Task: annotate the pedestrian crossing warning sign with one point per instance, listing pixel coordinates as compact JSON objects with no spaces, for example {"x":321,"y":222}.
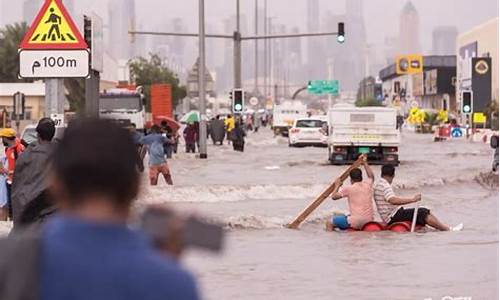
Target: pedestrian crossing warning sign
{"x":53,"y":28}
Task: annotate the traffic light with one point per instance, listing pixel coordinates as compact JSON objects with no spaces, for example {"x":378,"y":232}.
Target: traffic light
{"x":87,"y":30}
{"x":341,"y":32}
{"x":467,"y":102}
{"x":238,"y":100}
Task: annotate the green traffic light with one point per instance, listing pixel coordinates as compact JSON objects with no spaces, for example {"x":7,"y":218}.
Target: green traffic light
{"x":340,"y":38}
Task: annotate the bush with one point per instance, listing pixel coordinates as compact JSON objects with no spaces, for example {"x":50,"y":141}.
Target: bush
{"x":368,"y":102}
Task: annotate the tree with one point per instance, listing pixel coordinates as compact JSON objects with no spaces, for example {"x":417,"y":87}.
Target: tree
{"x":10,"y":39}
{"x":146,"y":72}
{"x":76,"y":94}
{"x":367,"y":102}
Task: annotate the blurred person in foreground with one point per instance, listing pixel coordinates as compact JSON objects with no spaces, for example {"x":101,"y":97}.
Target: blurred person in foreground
{"x":87,"y":251}
{"x":30,"y":201}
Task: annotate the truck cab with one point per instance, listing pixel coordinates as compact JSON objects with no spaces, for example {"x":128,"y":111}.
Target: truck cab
{"x":123,"y":106}
{"x":363,"y":130}
{"x":285,"y":114}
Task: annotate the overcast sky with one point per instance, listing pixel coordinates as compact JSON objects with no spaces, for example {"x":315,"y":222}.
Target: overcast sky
{"x":381,"y":16}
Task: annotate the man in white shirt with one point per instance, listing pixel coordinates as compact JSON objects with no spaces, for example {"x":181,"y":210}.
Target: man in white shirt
{"x":390,"y":206}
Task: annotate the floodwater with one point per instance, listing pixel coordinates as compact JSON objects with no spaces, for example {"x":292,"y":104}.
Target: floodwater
{"x":254,"y":194}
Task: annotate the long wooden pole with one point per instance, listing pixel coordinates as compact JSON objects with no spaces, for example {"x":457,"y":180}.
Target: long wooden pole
{"x":332,"y":188}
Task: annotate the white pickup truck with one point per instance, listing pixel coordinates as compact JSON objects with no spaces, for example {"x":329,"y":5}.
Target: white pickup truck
{"x":363,"y":130}
{"x":285,"y":114}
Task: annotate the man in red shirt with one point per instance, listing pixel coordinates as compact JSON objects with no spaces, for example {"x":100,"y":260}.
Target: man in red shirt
{"x":13,"y":148}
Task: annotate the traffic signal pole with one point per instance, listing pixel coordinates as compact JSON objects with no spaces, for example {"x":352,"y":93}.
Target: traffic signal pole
{"x":237,"y":49}
{"x":201,"y":82}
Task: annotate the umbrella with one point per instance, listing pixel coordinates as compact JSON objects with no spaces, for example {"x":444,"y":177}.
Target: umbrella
{"x":170,"y":122}
{"x":191,"y":117}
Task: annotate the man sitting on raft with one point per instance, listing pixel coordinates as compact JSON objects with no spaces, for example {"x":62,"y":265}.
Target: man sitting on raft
{"x":390,"y":206}
{"x":359,"y":197}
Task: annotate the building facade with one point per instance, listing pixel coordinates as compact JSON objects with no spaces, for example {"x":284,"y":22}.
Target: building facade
{"x":434,"y":88}
{"x":477,"y":61}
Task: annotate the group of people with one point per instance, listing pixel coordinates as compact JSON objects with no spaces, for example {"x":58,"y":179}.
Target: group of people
{"x":80,"y":246}
{"x":362,"y":193}
{"x":24,"y":172}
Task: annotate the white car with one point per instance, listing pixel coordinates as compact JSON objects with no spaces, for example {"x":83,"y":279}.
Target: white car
{"x":30,"y":136}
{"x":310,"y":131}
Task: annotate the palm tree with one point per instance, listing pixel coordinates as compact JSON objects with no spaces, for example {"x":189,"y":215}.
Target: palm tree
{"x":10,"y":39}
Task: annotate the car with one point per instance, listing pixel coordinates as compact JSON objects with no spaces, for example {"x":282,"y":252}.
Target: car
{"x":312,"y":131}
{"x":29,"y":135}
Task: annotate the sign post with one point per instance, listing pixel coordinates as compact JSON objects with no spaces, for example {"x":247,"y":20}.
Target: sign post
{"x":53,"y":49}
{"x":19,"y":105}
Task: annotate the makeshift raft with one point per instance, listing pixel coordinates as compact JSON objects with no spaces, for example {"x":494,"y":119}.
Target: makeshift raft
{"x":377,"y":226}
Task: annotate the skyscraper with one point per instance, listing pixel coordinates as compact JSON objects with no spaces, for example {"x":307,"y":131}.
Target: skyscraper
{"x":444,"y":40}
{"x":314,"y":63}
{"x":347,"y":60}
{"x":409,"y":30}
{"x":121,"y":20}
{"x":30,"y":9}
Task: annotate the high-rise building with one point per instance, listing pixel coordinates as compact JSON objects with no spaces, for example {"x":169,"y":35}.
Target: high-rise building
{"x":391,"y":45}
{"x":444,"y":40}
{"x":346,"y":62}
{"x":314,"y":45}
{"x":409,"y":30}
{"x":30,"y":9}
{"x":121,"y":20}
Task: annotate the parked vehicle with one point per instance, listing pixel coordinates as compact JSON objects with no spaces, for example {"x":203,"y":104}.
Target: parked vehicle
{"x":308,"y":132}
{"x":363,"y":130}
{"x":29,"y":135}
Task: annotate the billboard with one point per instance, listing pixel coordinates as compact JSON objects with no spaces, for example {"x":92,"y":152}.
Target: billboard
{"x":481,"y":83}
{"x":464,"y":70}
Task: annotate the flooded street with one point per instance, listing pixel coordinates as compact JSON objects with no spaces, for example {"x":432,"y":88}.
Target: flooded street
{"x":257,"y":192}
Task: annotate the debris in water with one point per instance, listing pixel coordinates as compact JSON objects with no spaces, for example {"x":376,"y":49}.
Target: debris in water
{"x":272,"y":168}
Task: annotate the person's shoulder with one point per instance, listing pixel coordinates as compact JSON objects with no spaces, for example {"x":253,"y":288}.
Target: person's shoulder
{"x":380,"y":184}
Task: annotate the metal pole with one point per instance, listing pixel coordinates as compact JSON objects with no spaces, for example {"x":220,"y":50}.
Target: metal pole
{"x":270,"y":56}
{"x":266,"y":90}
{"x":201,"y":81}
{"x":237,"y":49}
{"x":256,"y":67}
{"x":92,"y":94}
{"x":54,"y":97}
{"x":275,"y":93}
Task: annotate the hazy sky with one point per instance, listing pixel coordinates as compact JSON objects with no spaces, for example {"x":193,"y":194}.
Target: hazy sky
{"x":381,"y":16}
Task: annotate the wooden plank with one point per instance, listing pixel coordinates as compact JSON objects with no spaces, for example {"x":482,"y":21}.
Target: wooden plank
{"x":332,"y":188}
